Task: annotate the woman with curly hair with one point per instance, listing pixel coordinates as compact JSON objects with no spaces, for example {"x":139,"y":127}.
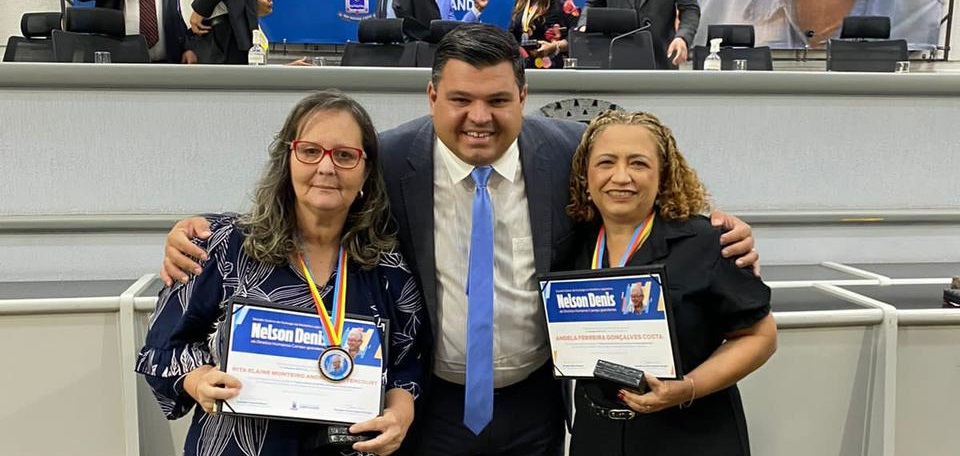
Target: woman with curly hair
{"x":627,"y":173}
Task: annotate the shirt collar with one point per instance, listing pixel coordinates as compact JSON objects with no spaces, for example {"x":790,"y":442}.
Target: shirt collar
{"x":506,"y":166}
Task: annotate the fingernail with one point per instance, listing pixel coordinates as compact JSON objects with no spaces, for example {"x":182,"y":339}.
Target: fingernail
{"x":184,"y":280}
{"x":740,"y":263}
{"x":197,"y":270}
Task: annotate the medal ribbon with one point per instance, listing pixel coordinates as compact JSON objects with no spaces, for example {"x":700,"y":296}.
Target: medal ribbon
{"x":639,"y":236}
{"x":332,"y":327}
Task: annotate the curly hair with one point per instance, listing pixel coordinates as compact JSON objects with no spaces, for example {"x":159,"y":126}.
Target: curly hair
{"x":681,"y":194}
{"x":271,"y":229}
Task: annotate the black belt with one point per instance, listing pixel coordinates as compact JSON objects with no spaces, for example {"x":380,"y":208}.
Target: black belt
{"x":603,"y":407}
{"x":616,"y":414}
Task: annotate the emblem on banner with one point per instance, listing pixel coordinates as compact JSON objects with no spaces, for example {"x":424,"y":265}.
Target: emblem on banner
{"x":356,"y":10}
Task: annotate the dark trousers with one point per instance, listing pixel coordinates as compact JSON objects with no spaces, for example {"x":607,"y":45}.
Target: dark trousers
{"x":527,"y":420}
{"x":219,"y":46}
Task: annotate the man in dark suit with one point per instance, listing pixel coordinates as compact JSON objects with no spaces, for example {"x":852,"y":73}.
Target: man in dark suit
{"x":224,"y":28}
{"x":670,"y":43}
{"x":476,"y":97}
{"x":166,"y":37}
{"x":477,"y":145}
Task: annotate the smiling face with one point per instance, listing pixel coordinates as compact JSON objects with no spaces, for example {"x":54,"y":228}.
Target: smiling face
{"x":354,"y":339}
{"x":477,"y":112}
{"x":636,"y":298}
{"x":623,"y":173}
{"x":322,"y":187}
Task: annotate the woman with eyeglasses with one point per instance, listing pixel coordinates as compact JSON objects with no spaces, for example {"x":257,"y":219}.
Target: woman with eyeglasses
{"x":319,"y":213}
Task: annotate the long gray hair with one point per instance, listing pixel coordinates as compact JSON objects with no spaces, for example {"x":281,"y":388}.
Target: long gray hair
{"x":271,"y":226}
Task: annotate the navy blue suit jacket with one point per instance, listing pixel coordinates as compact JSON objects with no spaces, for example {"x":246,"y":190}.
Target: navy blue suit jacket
{"x":546,"y":147}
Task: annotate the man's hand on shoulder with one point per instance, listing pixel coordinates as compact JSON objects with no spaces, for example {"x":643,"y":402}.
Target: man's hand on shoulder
{"x":737,"y":241}
{"x":181,"y":256}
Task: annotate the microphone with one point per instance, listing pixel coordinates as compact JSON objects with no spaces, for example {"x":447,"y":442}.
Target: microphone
{"x":646,"y":25}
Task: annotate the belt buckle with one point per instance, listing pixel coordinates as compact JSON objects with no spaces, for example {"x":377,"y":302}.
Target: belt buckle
{"x":621,"y":414}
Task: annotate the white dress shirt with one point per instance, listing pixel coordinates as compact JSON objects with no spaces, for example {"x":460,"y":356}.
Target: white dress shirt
{"x":519,"y":338}
{"x":131,"y":19}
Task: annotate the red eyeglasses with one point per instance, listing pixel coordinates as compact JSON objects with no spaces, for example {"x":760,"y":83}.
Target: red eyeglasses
{"x":310,"y":153}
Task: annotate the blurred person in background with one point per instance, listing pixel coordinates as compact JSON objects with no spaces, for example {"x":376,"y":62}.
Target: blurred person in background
{"x":161,"y":24}
{"x":422,"y":12}
{"x":224,"y":29}
{"x":545,"y":23}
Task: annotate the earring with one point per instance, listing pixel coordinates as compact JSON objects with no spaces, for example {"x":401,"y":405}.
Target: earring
{"x":589,"y":198}
{"x":361,"y":193}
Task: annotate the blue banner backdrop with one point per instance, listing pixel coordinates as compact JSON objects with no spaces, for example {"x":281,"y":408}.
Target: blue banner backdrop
{"x":779,"y":23}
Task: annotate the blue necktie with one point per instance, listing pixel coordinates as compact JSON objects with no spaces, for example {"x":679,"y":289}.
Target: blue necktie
{"x":478,"y":397}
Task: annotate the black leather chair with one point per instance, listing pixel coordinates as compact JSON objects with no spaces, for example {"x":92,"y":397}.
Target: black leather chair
{"x":35,"y":45}
{"x":420,"y":53}
{"x":864,"y":46}
{"x":733,"y":35}
{"x":612,"y":40}
{"x":88,"y":30}
{"x":380,"y":44}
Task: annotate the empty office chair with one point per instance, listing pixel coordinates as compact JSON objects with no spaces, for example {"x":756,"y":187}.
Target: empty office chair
{"x":420,"y":53}
{"x":613,"y":40}
{"x":865,"y":28}
{"x":88,"y":30}
{"x":733,"y":35}
{"x":35,"y":45}
{"x":864,"y":46}
{"x":380,"y":43}
{"x":737,"y":44}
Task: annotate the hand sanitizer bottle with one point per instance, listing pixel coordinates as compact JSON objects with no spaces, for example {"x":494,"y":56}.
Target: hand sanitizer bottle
{"x":257,"y":54}
{"x":712,"y":62}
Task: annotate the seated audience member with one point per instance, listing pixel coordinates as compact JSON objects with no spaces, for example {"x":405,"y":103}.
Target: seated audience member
{"x":627,"y":170}
{"x":223,"y":29}
{"x":545,"y":22}
{"x":321,"y":196}
{"x":671,"y":41}
{"x":422,"y":12}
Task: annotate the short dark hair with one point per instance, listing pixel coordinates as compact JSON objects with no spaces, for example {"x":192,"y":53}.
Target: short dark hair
{"x":480,"y":45}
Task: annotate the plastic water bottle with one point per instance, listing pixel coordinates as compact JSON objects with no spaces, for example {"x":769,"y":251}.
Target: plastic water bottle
{"x":257,"y":54}
{"x":712,"y":62}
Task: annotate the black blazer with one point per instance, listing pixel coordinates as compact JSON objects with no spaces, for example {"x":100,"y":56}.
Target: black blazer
{"x":242,"y":15}
{"x":546,"y":147}
{"x":662,"y":14}
{"x":420,"y":12}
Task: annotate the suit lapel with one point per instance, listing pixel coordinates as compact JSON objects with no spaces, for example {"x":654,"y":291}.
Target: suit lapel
{"x":536,"y":175}
{"x":417,"y":189}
